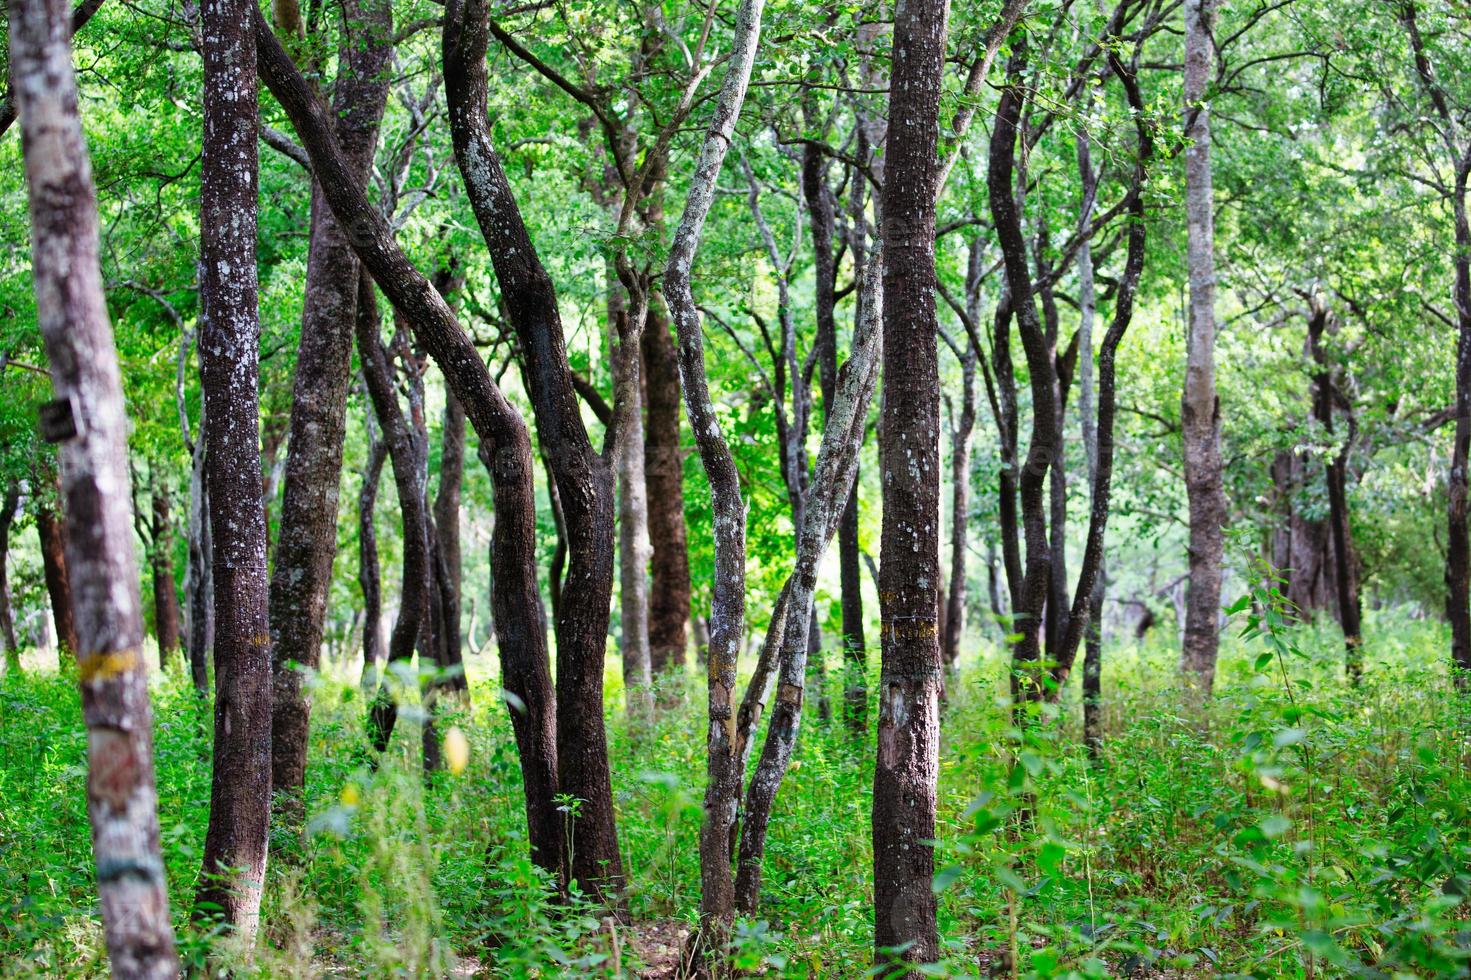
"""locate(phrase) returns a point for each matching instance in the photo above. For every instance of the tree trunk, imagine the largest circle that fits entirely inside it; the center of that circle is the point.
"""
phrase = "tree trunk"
(71, 310)
(229, 346)
(8, 507)
(369, 577)
(669, 597)
(307, 542)
(504, 445)
(52, 535)
(584, 480)
(1087, 418)
(404, 452)
(1458, 551)
(1200, 414)
(199, 576)
(447, 535)
(728, 602)
(960, 437)
(625, 329)
(905, 774)
(165, 592)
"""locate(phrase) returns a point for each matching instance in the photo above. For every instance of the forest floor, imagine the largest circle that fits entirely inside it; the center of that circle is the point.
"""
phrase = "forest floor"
(1296, 825)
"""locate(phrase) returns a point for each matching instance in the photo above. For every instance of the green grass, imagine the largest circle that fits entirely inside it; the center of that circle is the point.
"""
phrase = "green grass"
(1311, 830)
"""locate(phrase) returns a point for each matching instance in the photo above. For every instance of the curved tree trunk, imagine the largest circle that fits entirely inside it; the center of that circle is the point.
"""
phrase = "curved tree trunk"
(72, 315)
(307, 542)
(907, 767)
(584, 479)
(728, 602)
(504, 447)
(369, 577)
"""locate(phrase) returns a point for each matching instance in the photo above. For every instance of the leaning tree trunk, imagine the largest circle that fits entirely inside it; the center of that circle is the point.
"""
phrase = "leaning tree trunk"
(447, 534)
(308, 538)
(51, 533)
(8, 507)
(584, 481)
(907, 767)
(504, 447)
(723, 771)
(71, 311)
(165, 592)
(229, 346)
(1200, 415)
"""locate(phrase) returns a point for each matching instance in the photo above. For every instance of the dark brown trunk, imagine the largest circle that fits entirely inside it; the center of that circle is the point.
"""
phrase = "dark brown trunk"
(369, 576)
(8, 507)
(199, 578)
(307, 542)
(52, 535)
(1458, 550)
(229, 346)
(907, 766)
(404, 453)
(165, 590)
(584, 480)
(850, 576)
(669, 598)
(71, 312)
(447, 535)
(504, 447)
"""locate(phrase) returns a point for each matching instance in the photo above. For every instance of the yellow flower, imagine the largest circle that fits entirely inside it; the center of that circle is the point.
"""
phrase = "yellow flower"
(349, 795)
(456, 750)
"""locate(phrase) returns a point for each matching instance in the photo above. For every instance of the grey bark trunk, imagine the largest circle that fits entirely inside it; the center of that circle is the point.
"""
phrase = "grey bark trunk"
(1200, 415)
(72, 315)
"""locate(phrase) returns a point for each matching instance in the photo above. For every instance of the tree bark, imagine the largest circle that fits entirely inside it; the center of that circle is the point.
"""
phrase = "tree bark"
(504, 447)
(240, 796)
(728, 605)
(71, 312)
(8, 507)
(307, 542)
(907, 766)
(404, 453)
(447, 535)
(584, 480)
(369, 576)
(199, 576)
(165, 592)
(669, 597)
(960, 437)
(1200, 412)
(51, 532)
(625, 330)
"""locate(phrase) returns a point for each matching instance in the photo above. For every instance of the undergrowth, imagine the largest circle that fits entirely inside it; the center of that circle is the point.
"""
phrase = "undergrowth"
(1293, 827)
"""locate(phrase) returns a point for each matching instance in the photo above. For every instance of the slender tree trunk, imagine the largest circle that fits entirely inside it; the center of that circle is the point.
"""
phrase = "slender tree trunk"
(165, 592)
(307, 542)
(1200, 414)
(9, 504)
(447, 534)
(51, 533)
(404, 453)
(229, 345)
(1458, 550)
(905, 775)
(584, 480)
(960, 438)
(71, 310)
(1087, 418)
(199, 576)
(728, 603)
(633, 501)
(504, 446)
(669, 597)
(369, 577)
